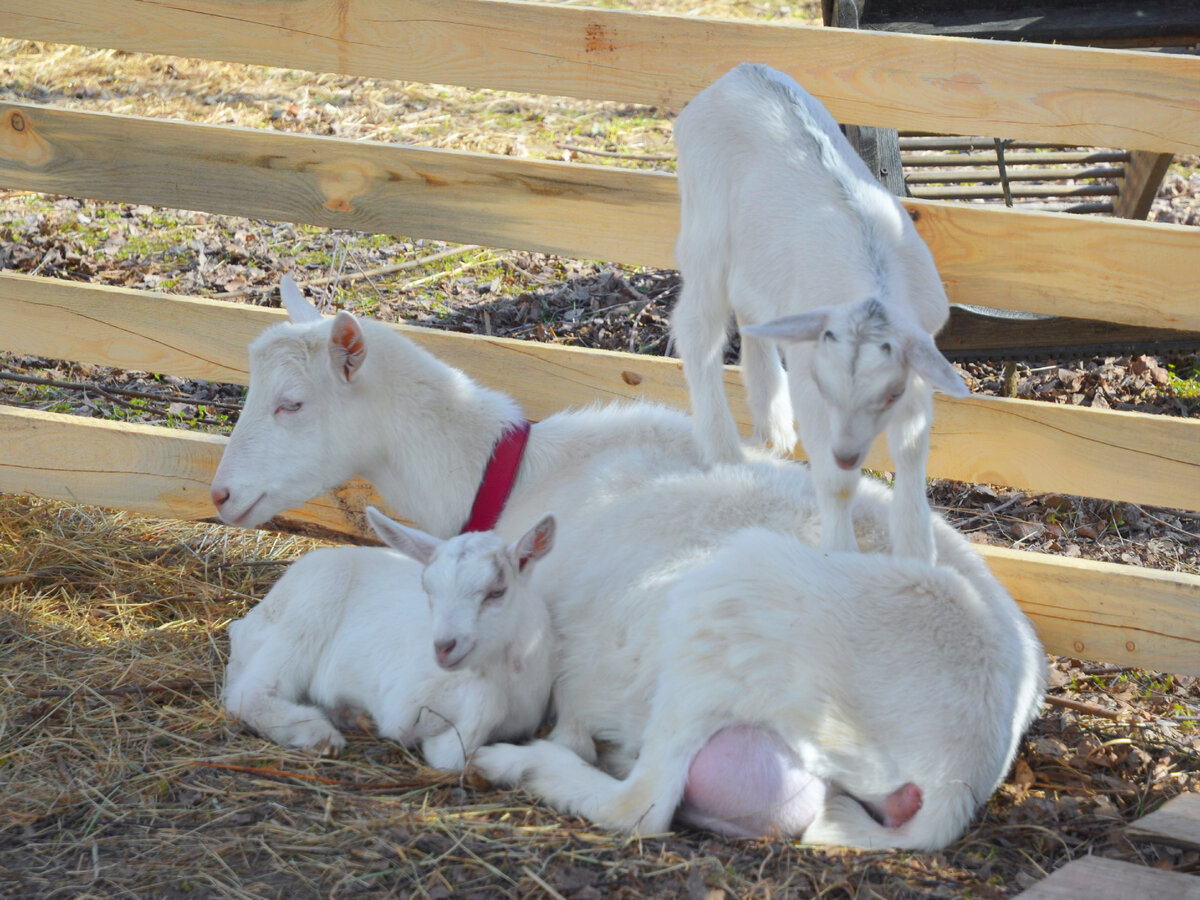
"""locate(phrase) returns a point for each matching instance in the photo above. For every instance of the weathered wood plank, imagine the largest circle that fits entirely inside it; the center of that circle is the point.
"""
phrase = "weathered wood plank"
(1119, 271)
(148, 470)
(1175, 822)
(946, 85)
(1038, 446)
(1105, 609)
(570, 209)
(1097, 878)
(1147, 618)
(1143, 174)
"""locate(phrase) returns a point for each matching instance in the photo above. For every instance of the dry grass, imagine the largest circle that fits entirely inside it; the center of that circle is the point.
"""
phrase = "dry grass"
(122, 776)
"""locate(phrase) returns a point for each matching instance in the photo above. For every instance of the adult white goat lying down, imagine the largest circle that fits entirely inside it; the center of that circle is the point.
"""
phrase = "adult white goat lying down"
(354, 630)
(850, 698)
(783, 225)
(636, 513)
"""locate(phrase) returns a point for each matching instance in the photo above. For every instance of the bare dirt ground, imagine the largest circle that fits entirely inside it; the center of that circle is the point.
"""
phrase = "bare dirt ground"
(120, 775)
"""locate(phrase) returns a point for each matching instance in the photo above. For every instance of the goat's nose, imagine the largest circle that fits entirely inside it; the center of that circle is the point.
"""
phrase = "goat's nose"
(846, 462)
(444, 649)
(220, 496)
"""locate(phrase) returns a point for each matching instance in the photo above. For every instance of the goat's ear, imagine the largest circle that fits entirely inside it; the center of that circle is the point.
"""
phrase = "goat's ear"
(535, 544)
(927, 361)
(801, 327)
(346, 345)
(412, 542)
(298, 309)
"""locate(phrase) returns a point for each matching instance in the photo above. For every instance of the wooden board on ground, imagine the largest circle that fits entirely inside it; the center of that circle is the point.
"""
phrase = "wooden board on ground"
(1085, 96)
(1135, 273)
(1176, 822)
(1112, 613)
(1036, 446)
(1097, 878)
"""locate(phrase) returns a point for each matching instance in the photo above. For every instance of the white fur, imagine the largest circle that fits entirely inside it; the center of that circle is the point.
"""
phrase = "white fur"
(635, 510)
(446, 645)
(874, 671)
(784, 226)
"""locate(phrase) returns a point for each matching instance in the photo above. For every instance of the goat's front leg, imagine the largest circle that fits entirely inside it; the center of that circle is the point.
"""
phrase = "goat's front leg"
(472, 723)
(644, 802)
(834, 486)
(767, 395)
(908, 440)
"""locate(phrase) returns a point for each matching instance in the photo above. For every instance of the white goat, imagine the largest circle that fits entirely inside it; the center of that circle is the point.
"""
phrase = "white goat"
(849, 698)
(635, 510)
(780, 217)
(354, 630)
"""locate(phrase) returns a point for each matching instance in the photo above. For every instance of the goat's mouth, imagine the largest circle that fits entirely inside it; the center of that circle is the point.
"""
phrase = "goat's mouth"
(455, 658)
(243, 519)
(847, 462)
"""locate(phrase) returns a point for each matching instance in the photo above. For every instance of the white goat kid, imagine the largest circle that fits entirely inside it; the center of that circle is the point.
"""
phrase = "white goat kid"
(784, 226)
(446, 645)
(635, 510)
(846, 698)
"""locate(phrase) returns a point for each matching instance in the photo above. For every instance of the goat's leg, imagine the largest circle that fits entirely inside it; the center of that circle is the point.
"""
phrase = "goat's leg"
(767, 395)
(576, 737)
(908, 440)
(644, 802)
(284, 721)
(834, 486)
(474, 721)
(700, 326)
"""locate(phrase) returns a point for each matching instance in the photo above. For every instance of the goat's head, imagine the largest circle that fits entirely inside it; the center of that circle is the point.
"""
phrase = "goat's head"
(475, 582)
(863, 362)
(290, 443)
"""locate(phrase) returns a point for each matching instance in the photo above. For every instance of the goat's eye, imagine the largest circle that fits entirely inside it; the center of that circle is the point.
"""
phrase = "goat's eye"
(893, 397)
(289, 407)
(494, 596)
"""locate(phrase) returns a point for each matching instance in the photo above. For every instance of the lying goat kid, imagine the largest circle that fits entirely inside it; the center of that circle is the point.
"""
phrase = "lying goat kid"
(446, 644)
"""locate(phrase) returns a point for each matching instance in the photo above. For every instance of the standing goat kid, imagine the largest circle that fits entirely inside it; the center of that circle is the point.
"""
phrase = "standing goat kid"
(350, 630)
(783, 225)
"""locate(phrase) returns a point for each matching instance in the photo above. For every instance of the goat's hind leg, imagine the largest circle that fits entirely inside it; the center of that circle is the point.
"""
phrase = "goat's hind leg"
(700, 325)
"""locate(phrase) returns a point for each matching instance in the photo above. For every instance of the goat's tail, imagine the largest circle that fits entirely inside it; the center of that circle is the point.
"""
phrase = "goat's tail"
(945, 812)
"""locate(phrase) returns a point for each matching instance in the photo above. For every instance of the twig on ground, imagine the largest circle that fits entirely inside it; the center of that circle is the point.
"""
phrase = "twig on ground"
(1082, 707)
(613, 154)
(128, 392)
(356, 276)
(188, 685)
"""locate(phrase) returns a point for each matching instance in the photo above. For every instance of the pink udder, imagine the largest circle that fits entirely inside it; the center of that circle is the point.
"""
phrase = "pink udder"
(745, 782)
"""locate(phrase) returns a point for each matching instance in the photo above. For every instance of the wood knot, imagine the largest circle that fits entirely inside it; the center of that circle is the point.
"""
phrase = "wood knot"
(1079, 646)
(631, 377)
(17, 121)
(1130, 646)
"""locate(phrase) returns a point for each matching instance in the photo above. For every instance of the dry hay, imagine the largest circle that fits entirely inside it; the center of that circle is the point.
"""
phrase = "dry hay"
(122, 775)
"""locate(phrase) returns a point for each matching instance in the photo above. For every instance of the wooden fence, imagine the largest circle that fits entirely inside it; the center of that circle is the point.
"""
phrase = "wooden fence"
(1120, 271)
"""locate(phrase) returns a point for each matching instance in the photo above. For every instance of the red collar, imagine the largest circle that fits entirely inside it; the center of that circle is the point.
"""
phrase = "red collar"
(498, 478)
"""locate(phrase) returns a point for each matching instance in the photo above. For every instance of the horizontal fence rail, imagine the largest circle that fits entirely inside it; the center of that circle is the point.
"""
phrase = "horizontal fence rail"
(1119, 271)
(1095, 97)
(1116, 613)
(1035, 446)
